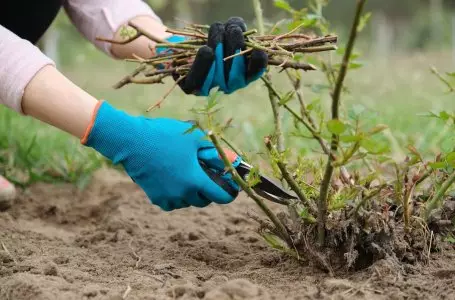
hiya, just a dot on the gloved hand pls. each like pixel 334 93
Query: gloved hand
pixel 161 157
pixel 209 70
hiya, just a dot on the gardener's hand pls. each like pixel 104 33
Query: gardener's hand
pixel 209 69
pixel 161 157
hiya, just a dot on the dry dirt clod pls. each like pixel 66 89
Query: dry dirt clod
pixel 5 257
pixel 50 269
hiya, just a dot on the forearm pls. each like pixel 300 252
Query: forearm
pixel 55 100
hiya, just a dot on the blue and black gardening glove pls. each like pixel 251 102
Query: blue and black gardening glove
pixel 209 70
pixel 175 167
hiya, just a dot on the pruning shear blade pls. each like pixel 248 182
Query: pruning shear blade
pixel 266 188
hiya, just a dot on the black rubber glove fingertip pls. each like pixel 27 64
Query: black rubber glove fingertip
pixel 216 33
pixel 258 60
pixel 197 75
pixel 236 21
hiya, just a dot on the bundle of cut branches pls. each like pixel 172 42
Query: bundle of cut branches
pixel 179 56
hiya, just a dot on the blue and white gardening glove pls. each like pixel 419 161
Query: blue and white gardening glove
pixel 162 157
pixel 209 70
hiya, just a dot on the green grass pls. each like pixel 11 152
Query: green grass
pixel 31 151
pixel 394 92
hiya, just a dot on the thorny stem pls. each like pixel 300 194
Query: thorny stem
pixel 127 79
pixel 148 80
pixel 238 54
pixel 164 56
pixel 433 203
pixel 292 65
pixel 269 50
pixel 298 117
pixel 290 36
pixel 317 49
pixel 325 184
pixel 288 177
pixel 312 42
pixel 249 191
pixel 169 71
pixel 343 172
pixel 296 83
pixel 186 33
pixel 181 45
pixel 288 33
pixel 276 118
pixel 230 145
pixel 158 104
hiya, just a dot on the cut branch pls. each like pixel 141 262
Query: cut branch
pixel 292 65
pixel 127 79
pixel 158 104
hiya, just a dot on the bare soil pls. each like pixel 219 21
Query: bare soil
pixel 109 242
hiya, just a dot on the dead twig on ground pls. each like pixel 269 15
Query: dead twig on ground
pixel 136 256
pixel 127 292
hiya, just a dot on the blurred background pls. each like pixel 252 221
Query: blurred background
pixel 398 46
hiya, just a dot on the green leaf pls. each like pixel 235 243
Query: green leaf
pixel 444 115
pixel 314 104
pixel 355 65
pixel 284 5
pixel 373 146
pixel 437 165
pixel 450 159
pixel 274 241
pixel 351 138
pixel 286 98
pixel 363 21
pixel 127 32
pixel 336 126
pixel 451 74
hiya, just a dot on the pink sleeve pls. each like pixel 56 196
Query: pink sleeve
pixel 102 18
pixel 19 62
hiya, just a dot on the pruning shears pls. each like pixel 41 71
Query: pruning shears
pixel 266 187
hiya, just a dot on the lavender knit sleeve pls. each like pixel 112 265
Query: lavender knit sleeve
pixel 103 18
pixel 20 60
